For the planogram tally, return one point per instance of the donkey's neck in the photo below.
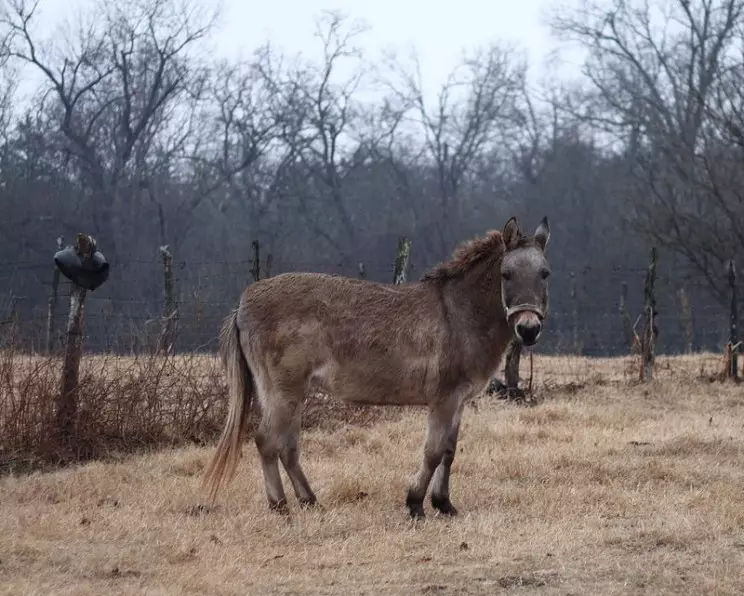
(475, 313)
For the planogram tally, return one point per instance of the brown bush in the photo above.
(126, 404)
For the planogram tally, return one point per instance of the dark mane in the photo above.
(466, 256)
(471, 252)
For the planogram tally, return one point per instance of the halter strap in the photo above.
(522, 307)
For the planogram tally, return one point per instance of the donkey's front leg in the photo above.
(440, 490)
(440, 422)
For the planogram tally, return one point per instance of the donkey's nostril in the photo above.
(528, 332)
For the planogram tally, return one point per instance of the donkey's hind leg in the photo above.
(289, 453)
(268, 441)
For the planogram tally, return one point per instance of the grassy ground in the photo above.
(605, 487)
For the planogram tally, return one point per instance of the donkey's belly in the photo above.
(377, 386)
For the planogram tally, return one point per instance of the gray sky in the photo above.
(438, 32)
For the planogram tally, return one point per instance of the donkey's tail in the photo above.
(241, 390)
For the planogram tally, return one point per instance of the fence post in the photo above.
(87, 269)
(733, 346)
(402, 256)
(650, 332)
(51, 309)
(256, 269)
(269, 261)
(685, 316)
(511, 367)
(577, 348)
(627, 325)
(170, 308)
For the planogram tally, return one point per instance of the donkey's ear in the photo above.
(542, 233)
(511, 233)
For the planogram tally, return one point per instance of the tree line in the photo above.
(136, 134)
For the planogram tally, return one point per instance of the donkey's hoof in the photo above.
(415, 508)
(280, 506)
(443, 505)
(416, 512)
(309, 503)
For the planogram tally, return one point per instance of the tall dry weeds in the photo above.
(125, 403)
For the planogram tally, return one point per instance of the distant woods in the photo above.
(138, 135)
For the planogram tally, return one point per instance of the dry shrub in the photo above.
(124, 403)
(128, 403)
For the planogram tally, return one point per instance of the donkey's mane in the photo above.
(472, 252)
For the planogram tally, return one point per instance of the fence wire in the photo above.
(125, 314)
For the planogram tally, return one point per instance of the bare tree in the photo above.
(320, 131)
(247, 154)
(656, 71)
(473, 111)
(111, 85)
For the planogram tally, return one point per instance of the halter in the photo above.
(524, 307)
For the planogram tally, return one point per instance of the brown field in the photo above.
(604, 487)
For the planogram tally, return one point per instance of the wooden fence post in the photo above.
(685, 319)
(87, 269)
(577, 348)
(650, 332)
(256, 269)
(627, 325)
(170, 307)
(402, 257)
(733, 346)
(511, 366)
(52, 307)
(68, 395)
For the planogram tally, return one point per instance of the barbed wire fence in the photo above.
(596, 312)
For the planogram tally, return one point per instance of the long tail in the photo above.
(240, 389)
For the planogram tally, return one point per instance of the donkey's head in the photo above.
(524, 280)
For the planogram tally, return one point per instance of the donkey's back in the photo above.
(360, 341)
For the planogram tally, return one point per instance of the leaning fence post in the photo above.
(686, 320)
(402, 256)
(577, 348)
(627, 325)
(170, 308)
(650, 332)
(52, 307)
(733, 346)
(256, 269)
(87, 269)
(511, 367)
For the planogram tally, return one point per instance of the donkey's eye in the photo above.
(506, 275)
(545, 273)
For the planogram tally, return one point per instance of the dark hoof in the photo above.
(279, 506)
(415, 508)
(309, 503)
(443, 505)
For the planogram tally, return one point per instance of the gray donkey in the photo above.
(435, 342)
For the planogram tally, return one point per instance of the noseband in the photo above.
(512, 310)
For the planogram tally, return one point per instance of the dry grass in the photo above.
(606, 487)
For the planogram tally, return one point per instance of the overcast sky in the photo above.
(438, 31)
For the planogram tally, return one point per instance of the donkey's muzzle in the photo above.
(528, 330)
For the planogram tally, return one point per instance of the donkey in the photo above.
(435, 342)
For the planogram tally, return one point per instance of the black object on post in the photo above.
(83, 264)
(87, 269)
